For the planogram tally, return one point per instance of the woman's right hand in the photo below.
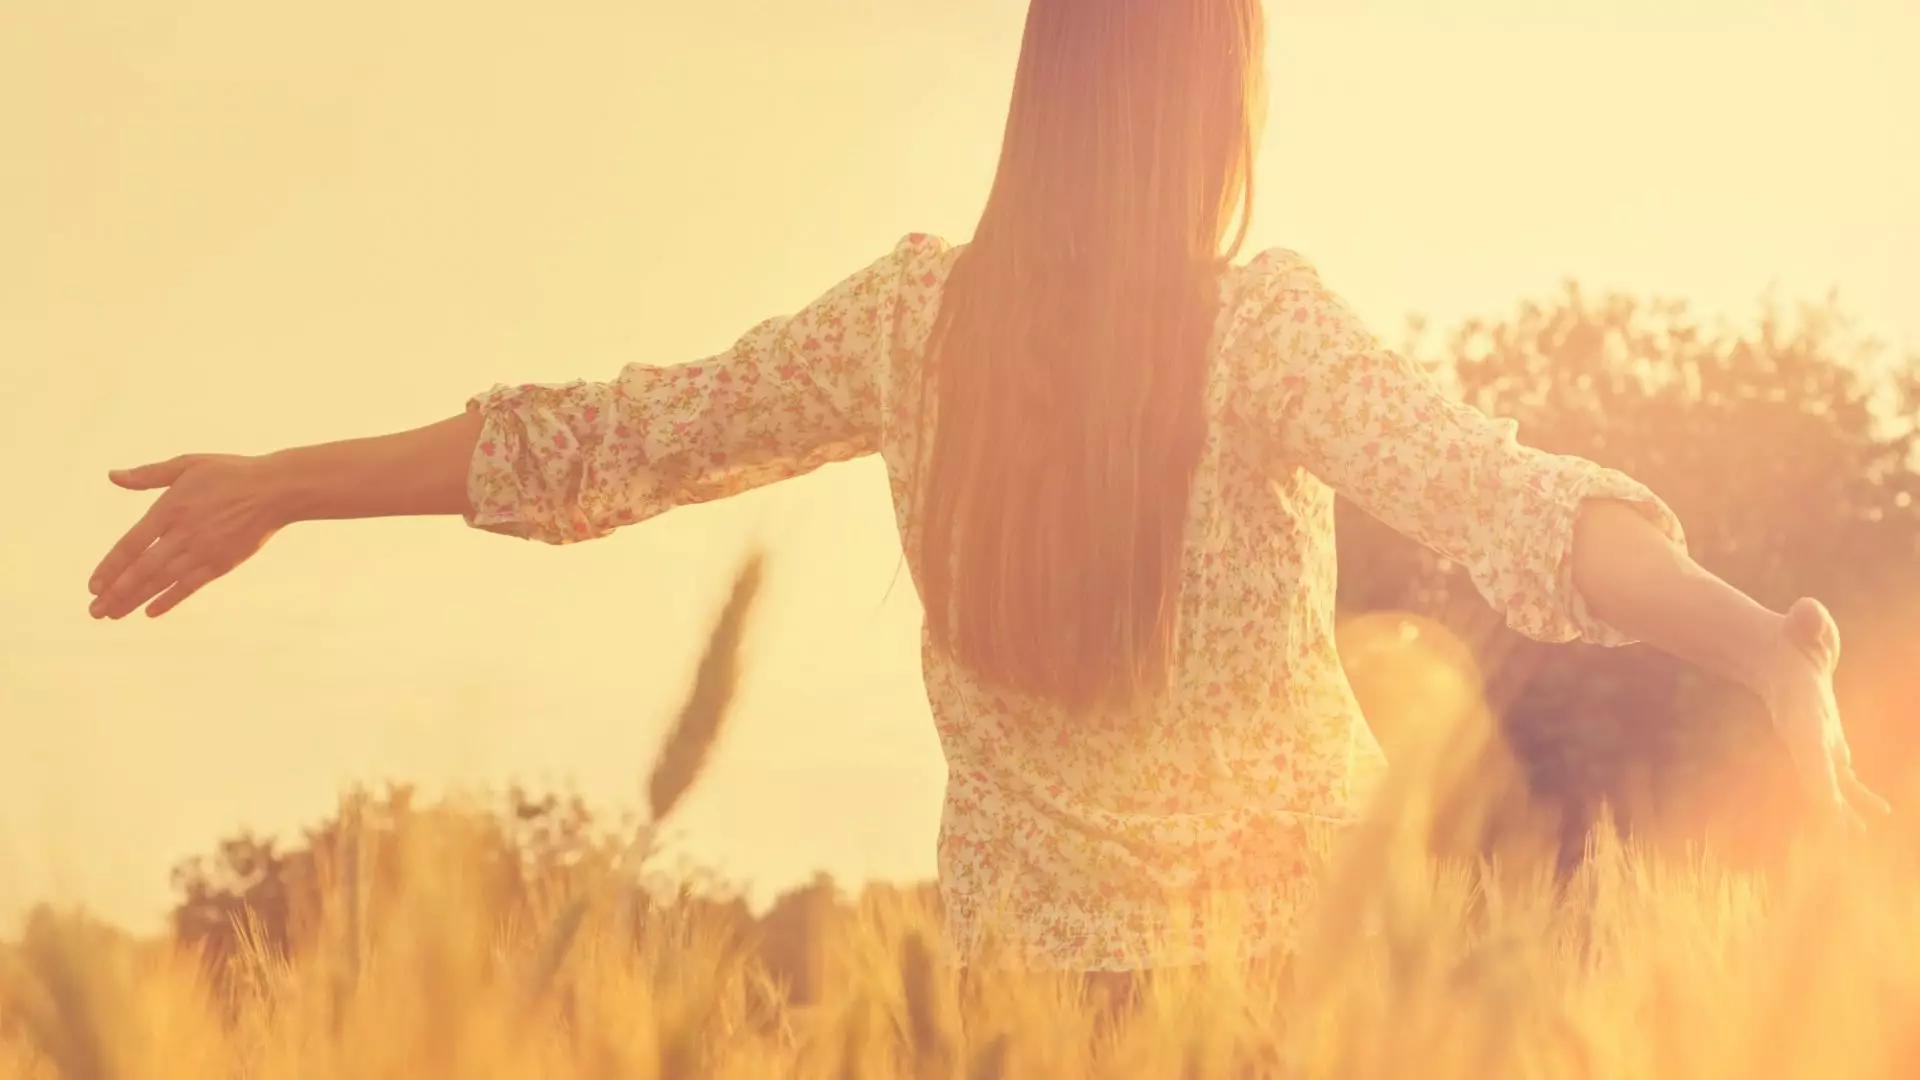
(215, 511)
(1796, 682)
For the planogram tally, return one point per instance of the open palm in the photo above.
(214, 513)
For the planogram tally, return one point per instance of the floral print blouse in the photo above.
(1089, 845)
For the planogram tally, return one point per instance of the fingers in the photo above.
(145, 531)
(156, 568)
(157, 475)
(122, 555)
(1818, 772)
(1861, 797)
(189, 583)
(1825, 782)
(1853, 806)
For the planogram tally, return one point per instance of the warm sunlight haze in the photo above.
(230, 226)
(233, 227)
(401, 798)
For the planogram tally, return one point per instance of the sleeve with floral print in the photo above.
(1377, 429)
(564, 463)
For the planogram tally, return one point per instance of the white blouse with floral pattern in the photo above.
(1083, 845)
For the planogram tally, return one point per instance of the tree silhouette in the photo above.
(1788, 448)
(251, 893)
(251, 887)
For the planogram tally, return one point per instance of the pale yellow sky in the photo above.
(234, 226)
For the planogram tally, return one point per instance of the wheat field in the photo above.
(1432, 952)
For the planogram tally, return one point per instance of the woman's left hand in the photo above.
(1797, 685)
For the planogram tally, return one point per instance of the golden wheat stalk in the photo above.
(554, 948)
(697, 727)
(69, 1001)
(682, 757)
(929, 1042)
(353, 943)
(695, 730)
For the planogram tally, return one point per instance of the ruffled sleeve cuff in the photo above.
(494, 494)
(515, 490)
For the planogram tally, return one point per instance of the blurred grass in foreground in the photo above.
(1444, 945)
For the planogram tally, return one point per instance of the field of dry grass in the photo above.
(1643, 964)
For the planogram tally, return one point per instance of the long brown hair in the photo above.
(1069, 360)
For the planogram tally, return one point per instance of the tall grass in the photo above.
(1444, 945)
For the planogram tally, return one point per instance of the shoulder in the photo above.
(925, 261)
(924, 253)
(1264, 296)
(1286, 324)
(915, 274)
(913, 271)
(1280, 293)
(923, 244)
(1275, 275)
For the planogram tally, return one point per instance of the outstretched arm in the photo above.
(1565, 549)
(552, 463)
(1635, 580)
